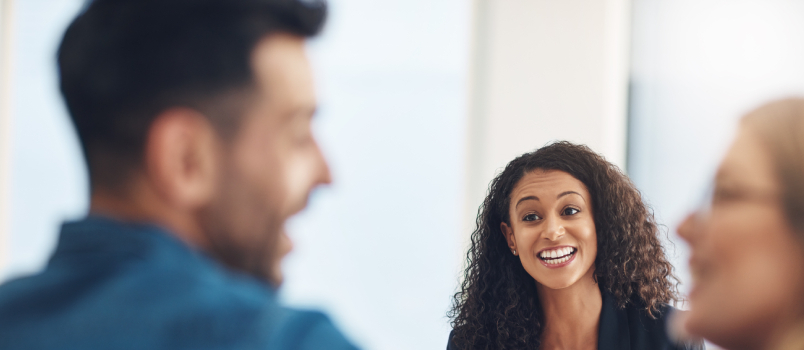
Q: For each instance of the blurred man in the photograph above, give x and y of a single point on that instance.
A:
(194, 118)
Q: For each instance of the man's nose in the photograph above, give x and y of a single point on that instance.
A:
(324, 176)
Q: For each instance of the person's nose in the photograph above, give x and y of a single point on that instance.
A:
(555, 229)
(687, 229)
(323, 174)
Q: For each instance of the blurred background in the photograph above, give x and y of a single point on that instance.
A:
(422, 102)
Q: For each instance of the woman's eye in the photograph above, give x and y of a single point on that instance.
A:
(725, 195)
(571, 211)
(531, 217)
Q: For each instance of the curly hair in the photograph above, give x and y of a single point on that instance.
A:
(497, 306)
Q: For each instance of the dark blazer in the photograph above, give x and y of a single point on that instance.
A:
(630, 328)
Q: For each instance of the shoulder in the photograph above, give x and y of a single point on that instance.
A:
(651, 331)
(198, 305)
(306, 329)
(238, 310)
(235, 310)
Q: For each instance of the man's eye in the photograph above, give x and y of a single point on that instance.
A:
(570, 211)
(531, 217)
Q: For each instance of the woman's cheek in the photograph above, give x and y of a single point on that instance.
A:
(528, 247)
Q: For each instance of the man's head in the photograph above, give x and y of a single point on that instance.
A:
(195, 114)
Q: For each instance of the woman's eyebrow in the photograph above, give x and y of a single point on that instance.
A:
(528, 198)
(534, 198)
(562, 194)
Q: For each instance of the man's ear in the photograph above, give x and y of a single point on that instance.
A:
(181, 157)
(508, 232)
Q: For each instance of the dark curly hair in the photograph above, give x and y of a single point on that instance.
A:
(497, 306)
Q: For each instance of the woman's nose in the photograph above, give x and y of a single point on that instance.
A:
(687, 228)
(555, 229)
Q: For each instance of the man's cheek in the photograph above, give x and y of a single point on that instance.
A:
(299, 175)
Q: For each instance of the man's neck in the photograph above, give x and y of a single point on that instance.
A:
(142, 204)
(571, 315)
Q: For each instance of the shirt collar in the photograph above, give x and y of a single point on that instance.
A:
(98, 240)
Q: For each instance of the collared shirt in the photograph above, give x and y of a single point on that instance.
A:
(111, 285)
(630, 328)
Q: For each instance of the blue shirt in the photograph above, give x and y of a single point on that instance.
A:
(111, 285)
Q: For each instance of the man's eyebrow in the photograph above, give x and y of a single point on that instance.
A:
(528, 198)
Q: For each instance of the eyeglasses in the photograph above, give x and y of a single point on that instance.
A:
(719, 196)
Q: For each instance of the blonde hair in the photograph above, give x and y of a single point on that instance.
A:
(780, 126)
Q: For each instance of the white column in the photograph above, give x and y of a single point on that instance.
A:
(6, 8)
(544, 70)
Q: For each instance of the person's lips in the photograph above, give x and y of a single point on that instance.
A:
(699, 271)
(555, 257)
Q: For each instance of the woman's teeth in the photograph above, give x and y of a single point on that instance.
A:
(557, 256)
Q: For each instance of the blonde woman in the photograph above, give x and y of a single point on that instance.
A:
(747, 242)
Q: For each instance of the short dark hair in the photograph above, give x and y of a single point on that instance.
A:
(121, 62)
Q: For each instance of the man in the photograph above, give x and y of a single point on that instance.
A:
(194, 118)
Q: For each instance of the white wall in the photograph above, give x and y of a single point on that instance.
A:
(697, 67)
(378, 247)
(544, 70)
(47, 182)
(6, 9)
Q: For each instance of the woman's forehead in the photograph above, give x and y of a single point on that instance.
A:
(747, 162)
(549, 183)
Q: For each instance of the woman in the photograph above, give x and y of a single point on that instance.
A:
(565, 255)
(747, 243)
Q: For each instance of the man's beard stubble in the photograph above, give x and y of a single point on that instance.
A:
(242, 225)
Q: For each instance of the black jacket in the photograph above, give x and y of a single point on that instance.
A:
(630, 328)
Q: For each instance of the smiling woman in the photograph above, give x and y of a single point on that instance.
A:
(565, 255)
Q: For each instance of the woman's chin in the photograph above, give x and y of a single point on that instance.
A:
(556, 283)
(718, 331)
(561, 278)
(692, 323)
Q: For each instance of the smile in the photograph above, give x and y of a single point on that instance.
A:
(557, 257)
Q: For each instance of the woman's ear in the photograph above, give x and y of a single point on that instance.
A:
(508, 232)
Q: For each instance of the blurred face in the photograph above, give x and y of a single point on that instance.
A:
(270, 166)
(552, 229)
(747, 266)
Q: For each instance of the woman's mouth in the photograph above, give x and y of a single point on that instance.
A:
(557, 257)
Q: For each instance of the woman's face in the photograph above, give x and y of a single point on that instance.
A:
(552, 228)
(746, 265)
